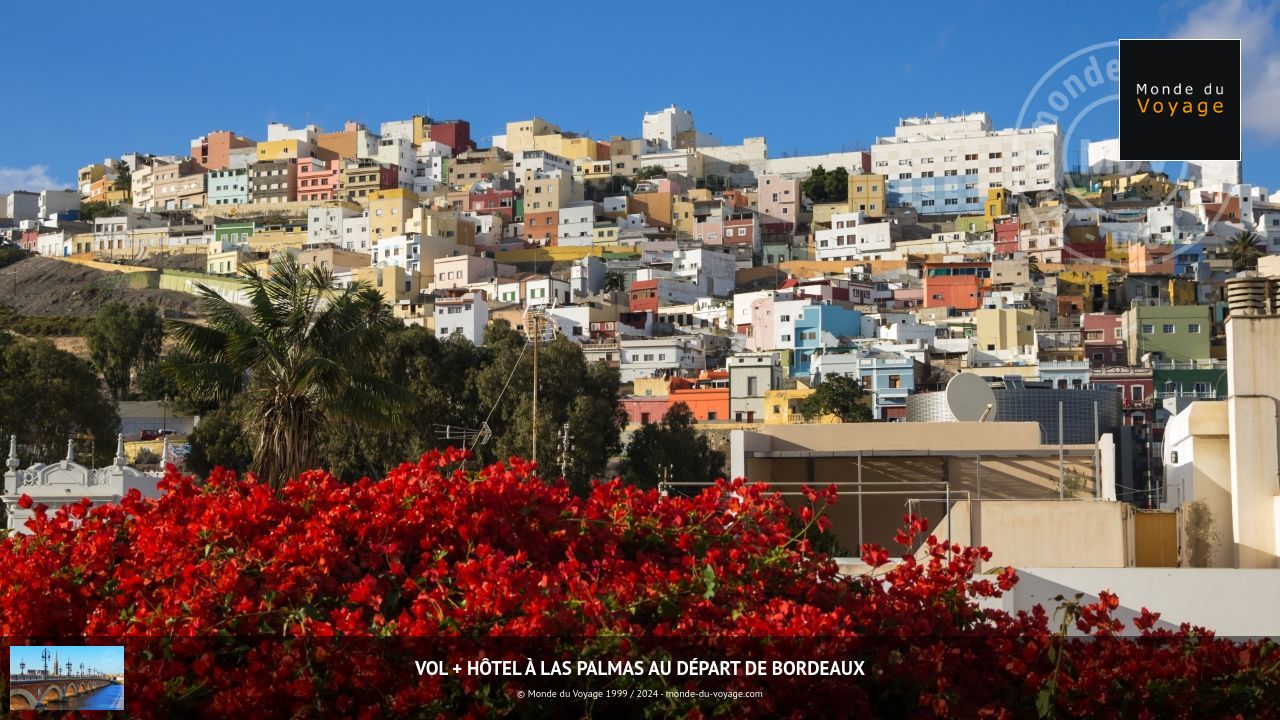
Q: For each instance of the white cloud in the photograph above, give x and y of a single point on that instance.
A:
(1254, 23)
(34, 178)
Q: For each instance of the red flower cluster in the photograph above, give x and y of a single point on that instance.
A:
(313, 602)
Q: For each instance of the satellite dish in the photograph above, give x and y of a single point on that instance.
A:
(970, 398)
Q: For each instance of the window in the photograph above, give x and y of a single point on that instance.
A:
(904, 176)
(973, 156)
(1148, 328)
(993, 156)
(949, 173)
(711, 415)
(1202, 389)
(895, 381)
(952, 201)
(1167, 328)
(995, 169)
(1193, 328)
(927, 174)
(1136, 392)
(971, 171)
(1119, 332)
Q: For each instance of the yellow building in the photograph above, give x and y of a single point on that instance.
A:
(605, 234)
(274, 238)
(997, 204)
(1148, 186)
(1078, 280)
(782, 407)
(88, 175)
(521, 134)
(283, 149)
(1006, 328)
(395, 284)
(867, 194)
(390, 212)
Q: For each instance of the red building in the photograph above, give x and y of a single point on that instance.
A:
(1104, 339)
(644, 296)
(1006, 235)
(494, 202)
(454, 133)
(960, 286)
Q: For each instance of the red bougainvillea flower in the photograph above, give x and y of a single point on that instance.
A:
(317, 601)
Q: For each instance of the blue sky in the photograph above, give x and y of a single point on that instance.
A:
(87, 80)
(107, 658)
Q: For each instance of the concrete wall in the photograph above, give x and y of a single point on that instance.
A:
(1045, 533)
(1200, 482)
(1196, 596)
(933, 455)
(1253, 374)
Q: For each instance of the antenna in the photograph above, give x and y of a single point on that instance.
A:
(970, 398)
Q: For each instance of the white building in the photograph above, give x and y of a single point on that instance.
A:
(946, 165)
(403, 251)
(1104, 159)
(65, 482)
(751, 375)
(577, 224)
(23, 205)
(665, 127)
(714, 272)
(460, 271)
(355, 232)
(53, 202)
(465, 315)
(851, 237)
(324, 223)
(654, 357)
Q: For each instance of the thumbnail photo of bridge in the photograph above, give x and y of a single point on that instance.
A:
(66, 677)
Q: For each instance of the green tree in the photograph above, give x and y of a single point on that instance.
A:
(671, 449)
(614, 281)
(124, 177)
(90, 211)
(1244, 249)
(571, 391)
(651, 171)
(438, 375)
(837, 395)
(45, 394)
(124, 340)
(823, 187)
(220, 441)
(304, 354)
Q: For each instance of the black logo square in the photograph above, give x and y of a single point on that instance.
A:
(1180, 99)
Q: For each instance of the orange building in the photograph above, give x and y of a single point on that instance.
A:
(542, 228)
(1152, 259)
(956, 285)
(213, 151)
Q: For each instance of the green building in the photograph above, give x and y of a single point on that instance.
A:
(232, 234)
(1168, 332)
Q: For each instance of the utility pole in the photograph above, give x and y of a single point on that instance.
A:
(533, 316)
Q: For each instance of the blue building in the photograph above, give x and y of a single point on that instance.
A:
(946, 195)
(888, 378)
(822, 326)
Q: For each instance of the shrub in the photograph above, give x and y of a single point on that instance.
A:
(314, 601)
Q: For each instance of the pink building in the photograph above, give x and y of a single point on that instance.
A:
(317, 180)
(779, 202)
(760, 332)
(1104, 339)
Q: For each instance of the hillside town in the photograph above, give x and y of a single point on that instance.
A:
(1090, 297)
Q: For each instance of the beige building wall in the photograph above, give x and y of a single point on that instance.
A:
(1253, 375)
(910, 463)
(390, 212)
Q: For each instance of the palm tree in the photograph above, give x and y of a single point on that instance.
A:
(1244, 249)
(303, 354)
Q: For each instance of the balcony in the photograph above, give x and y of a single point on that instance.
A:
(1210, 394)
(1189, 365)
